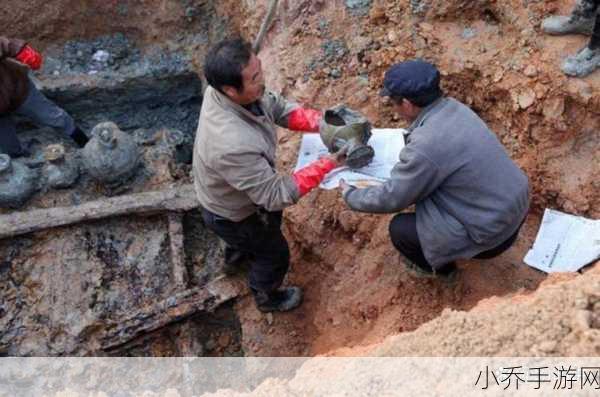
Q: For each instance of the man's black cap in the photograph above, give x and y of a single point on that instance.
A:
(412, 79)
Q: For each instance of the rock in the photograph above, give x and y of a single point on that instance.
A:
(498, 75)
(468, 33)
(582, 320)
(580, 88)
(392, 36)
(531, 71)
(526, 98)
(224, 340)
(553, 108)
(377, 14)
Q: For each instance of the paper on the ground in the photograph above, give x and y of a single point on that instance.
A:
(387, 144)
(565, 243)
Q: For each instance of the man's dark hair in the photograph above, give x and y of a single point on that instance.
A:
(426, 99)
(225, 62)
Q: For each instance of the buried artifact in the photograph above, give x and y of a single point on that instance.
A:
(343, 127)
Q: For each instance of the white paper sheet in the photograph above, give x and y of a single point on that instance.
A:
(387, 144)
(565, 243)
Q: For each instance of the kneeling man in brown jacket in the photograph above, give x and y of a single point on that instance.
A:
(241, 193)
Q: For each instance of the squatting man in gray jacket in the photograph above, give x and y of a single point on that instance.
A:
(471, 198)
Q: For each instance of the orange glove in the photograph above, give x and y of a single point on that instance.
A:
(311, 176)
(30, 57)
(301, 119)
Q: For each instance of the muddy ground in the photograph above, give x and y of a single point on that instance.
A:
(492, 56)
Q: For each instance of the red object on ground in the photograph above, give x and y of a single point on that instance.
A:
(304, 120)
(30, 57)
(311, 176)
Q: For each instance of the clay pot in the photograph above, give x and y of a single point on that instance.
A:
(17, 182)
(111, 156)
(341, 127)
(59, 172)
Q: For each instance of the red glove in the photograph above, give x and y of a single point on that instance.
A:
(301, 119)
(311, 176)
(30, 57)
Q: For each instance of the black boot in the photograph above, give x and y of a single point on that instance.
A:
(424, 270)
(281, 300)
(79, 137)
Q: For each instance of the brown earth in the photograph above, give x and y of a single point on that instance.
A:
(493, 57)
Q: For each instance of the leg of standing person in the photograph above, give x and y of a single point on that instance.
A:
(9, 142)
(261, 240)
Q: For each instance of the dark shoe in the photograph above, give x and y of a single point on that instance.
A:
(424, 270)
(79, 137)
(281, 300)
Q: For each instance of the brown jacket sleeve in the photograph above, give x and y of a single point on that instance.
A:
(9, 48)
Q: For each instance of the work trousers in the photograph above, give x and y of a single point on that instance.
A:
(403, 233)
(41, 111)
(259, 237)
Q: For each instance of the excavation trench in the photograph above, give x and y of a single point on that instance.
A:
(150, 284)
(147, 284)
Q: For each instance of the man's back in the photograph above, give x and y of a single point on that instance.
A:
(478, 184)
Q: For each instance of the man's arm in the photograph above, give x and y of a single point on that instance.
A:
(413, 178)
(292, 116)
(251, 173)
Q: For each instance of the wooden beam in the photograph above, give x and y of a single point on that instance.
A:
(175, 308)
(182, 198)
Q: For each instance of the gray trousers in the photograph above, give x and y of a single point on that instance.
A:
(41, 111)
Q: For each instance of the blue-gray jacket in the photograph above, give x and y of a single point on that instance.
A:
(469, 195)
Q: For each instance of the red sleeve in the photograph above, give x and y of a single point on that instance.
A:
(311, 176)
(302, 119)
(30, 57)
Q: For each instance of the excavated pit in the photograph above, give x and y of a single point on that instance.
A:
(92, 288)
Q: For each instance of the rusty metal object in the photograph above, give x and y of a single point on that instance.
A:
(111, 156)
(59, 172)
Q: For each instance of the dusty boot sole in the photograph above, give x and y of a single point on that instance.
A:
(583, 63)
(291, 303)
(560, 25)
(417, 272)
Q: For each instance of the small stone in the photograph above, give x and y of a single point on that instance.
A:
(530, 71)
(526, 98)
(224, 340)
(392, 36)
(468, 33)
(269, 318)
(498, 75)
(548, 346)
(582, 319)
(554, 108)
